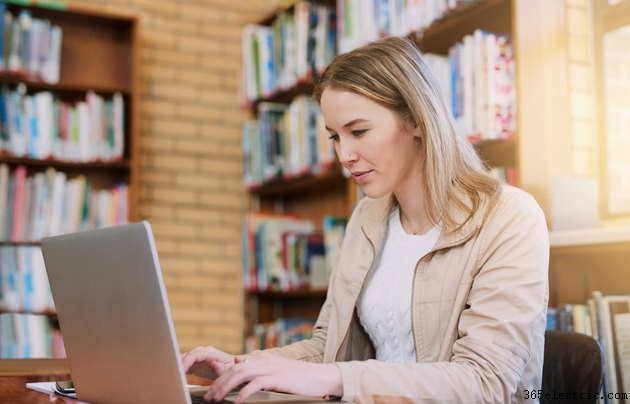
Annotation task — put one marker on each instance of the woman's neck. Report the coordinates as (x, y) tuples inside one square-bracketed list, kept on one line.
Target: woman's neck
[(413, 216)]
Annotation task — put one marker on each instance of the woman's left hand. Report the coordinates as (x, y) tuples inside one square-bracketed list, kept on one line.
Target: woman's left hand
[(271, 372)]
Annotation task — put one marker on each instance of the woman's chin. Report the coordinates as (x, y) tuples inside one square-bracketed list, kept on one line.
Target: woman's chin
[(372, 193)]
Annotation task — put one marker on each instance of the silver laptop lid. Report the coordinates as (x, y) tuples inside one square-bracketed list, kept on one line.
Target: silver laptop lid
[(114, 315)]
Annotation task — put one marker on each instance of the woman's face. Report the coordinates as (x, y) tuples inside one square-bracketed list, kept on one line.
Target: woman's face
[(373, 143)]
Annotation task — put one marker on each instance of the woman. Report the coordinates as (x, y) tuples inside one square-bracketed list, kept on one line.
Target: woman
[(440, 291)]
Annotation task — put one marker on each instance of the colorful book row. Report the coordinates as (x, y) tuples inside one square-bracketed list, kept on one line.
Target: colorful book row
[(363, 21), (41, 126), (478, 83), (49, 203), (282, 252), (477, 80), (279, 333), (298, 44), (27, 336), (286, 141), (29, 46), (23, 281), (607, 319)]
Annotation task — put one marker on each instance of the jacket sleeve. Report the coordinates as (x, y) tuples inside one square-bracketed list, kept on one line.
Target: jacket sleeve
[(501, 326)]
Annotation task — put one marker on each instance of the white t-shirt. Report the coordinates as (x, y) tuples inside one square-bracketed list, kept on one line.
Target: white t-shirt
[(384, 306)]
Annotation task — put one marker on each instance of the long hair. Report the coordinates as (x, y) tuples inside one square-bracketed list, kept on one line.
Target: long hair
[(392, 73)]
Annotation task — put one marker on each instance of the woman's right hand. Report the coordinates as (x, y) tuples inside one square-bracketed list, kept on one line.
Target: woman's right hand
[(207, 362)]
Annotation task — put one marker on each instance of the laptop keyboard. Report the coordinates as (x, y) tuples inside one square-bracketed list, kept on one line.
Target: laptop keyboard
[(197, 398)]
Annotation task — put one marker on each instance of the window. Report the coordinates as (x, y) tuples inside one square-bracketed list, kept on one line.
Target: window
[(611, 31)]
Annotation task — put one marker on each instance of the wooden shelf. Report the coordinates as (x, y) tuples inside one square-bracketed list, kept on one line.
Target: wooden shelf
[(97, 49), (9, 243), (287, 5), (122, 165), (586, 260), (292, 294), (264, 307), (300, 185), (285, 96), (497, 152), (21, 311), (489, 15), (33, 84), (587, 237), (34, 367)]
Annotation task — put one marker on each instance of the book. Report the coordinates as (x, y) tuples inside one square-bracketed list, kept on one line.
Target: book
[(19, 176), (4, 195), (272, 133), (3, 32), (281, 332), (334, 229), (613, 313), (264, 253)]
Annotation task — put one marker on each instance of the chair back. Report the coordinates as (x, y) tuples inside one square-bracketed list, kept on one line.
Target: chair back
[(573, 363)]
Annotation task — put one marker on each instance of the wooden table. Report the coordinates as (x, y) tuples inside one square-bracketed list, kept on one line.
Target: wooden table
[(15, 373)]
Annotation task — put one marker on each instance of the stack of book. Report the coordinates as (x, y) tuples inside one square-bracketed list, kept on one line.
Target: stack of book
[(298, 45), (482, 86), (285, 141), (283, 253), (23, 281), (41, 126), (29, 47), (607, 319), (363, 21), (49, 203), (279, 333), (29, 336)]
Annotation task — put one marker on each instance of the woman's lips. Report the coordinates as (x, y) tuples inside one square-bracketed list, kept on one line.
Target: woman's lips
[(360, 176)]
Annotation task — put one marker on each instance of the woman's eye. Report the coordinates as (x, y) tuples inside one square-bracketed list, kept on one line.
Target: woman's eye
[(358, 132), (333, 137)]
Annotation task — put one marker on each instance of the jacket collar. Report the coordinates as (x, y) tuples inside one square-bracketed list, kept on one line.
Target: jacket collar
[(375, 224)]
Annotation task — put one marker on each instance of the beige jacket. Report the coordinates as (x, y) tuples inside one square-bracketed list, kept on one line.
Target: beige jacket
[(478, 316)]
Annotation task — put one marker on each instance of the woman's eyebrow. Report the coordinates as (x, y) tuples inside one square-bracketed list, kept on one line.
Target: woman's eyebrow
[(352, 122)]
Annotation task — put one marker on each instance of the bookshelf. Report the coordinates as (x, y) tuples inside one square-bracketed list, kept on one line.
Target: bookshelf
[(310, 195), (536, 30), (95, 92), (589, 290), (540, 146), (586, 260)]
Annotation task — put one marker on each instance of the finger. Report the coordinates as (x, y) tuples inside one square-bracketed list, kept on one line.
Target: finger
[(235, 376), (205, 354), (203, 370), (219, 367), (250, 388), (183, 359), (229, 380), (220, 355)]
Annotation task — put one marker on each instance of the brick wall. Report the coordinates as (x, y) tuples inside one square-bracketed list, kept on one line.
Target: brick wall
[(190, 155)]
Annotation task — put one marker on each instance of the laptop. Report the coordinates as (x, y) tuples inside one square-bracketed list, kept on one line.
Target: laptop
[(115, 318)]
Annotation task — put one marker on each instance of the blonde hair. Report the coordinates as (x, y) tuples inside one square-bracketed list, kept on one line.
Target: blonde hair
[(392, 73)]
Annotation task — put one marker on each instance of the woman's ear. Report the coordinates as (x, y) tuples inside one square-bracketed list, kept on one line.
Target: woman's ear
[(417, 132)]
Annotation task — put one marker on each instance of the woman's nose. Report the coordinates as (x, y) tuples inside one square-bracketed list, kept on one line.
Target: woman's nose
[(346, 155)]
